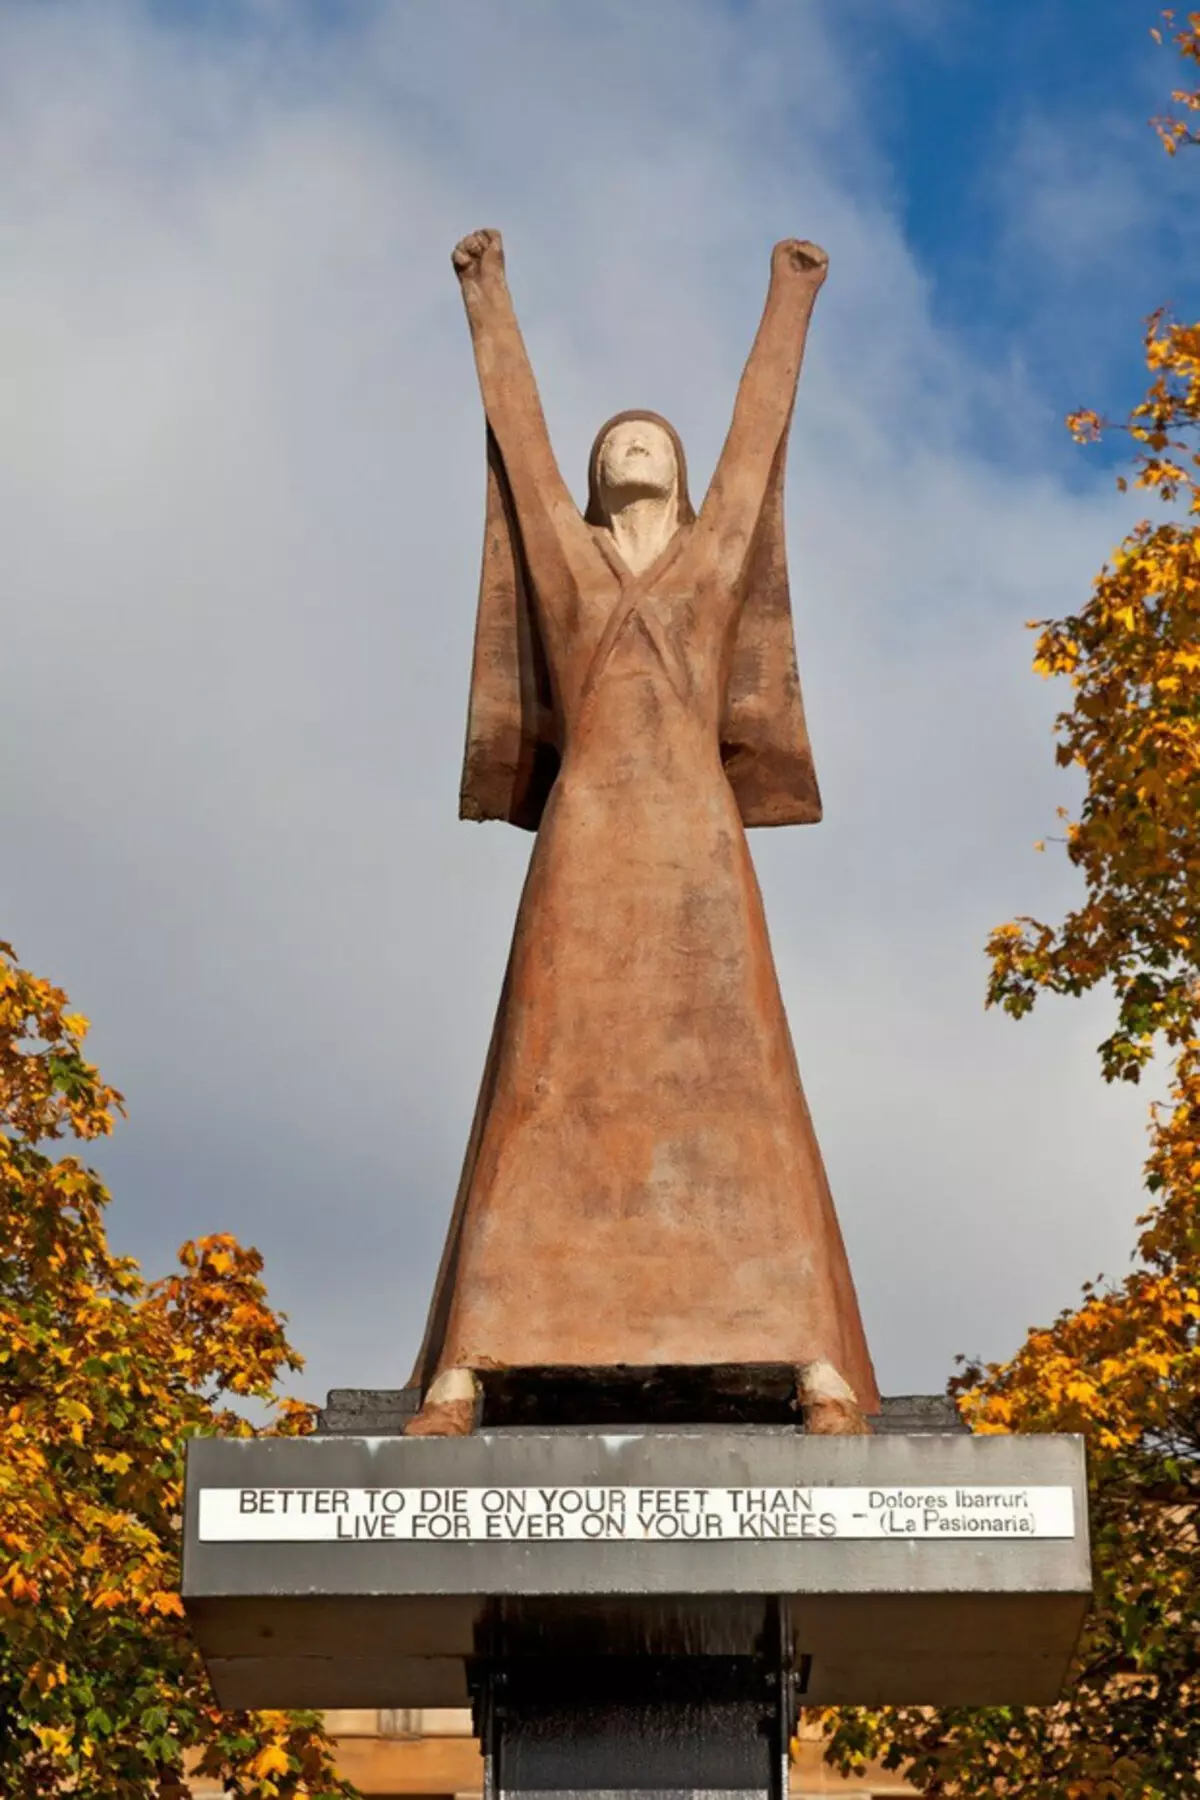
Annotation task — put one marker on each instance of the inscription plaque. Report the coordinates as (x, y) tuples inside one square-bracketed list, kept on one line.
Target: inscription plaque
[(576, 1514)]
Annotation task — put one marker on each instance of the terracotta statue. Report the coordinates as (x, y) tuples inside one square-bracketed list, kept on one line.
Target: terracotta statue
[(643, 1185)]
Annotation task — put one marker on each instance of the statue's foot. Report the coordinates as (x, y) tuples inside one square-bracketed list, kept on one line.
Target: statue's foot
[(450, 1407), (830, 1408)]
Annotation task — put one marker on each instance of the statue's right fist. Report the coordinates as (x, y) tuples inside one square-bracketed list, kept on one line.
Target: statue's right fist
[(477, 251), (796, 256)]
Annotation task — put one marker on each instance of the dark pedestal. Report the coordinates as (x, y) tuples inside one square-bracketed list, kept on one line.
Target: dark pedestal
[(670, 1726)]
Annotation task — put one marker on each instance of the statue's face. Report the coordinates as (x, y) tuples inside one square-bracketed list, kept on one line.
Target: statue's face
[(637, 461)]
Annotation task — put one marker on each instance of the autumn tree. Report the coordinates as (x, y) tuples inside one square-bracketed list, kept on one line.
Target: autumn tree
[(1124, 1366), (103, 1377)]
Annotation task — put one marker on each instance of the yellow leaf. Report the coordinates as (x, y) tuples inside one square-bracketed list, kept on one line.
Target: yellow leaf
[(163, 1602), (271, 1761)]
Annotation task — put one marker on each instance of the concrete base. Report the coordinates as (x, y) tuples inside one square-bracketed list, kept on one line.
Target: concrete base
[(876, 1613)]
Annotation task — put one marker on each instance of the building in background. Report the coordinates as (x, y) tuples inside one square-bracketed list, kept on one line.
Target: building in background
[(397, 1753)]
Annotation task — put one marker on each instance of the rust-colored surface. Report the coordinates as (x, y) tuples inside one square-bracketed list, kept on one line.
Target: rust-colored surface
[(449, 1418), (643, 1183)]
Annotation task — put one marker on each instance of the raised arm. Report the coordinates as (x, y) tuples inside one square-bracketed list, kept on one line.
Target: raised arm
[(765, 397), (510, 396)]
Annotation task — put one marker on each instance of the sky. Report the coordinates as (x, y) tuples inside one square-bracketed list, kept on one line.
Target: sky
[(241, 486)]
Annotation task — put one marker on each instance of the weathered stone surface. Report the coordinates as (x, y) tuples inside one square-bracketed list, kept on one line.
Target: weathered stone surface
[(643, 1184), (368, 1412)]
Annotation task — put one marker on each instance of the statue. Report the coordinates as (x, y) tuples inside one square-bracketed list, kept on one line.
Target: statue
[(642, 1185), (643, 1236)]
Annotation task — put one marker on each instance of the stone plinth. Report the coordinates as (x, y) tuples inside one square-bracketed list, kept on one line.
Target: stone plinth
[(368, 1571)]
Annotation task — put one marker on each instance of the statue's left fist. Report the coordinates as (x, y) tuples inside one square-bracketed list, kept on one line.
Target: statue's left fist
[(477, 251), (797, 256)]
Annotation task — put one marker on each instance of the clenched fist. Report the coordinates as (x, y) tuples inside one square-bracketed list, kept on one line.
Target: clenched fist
[(476, 252), (797, 256)]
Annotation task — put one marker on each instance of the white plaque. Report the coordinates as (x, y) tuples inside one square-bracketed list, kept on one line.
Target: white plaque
[(524, 1515)]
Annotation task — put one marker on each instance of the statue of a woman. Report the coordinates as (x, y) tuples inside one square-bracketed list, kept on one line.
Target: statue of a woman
[(643, 1185)]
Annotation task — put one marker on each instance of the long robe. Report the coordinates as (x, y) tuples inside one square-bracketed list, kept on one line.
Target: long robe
[(643, 1184)]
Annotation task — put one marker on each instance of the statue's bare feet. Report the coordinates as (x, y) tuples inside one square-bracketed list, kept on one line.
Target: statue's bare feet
[(800, 257), (478, 251), (828, 1402), (450, 1408)]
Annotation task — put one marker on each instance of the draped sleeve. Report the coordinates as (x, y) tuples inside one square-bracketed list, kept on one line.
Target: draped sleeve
[(512, 749), (764, 736), (536, 549)]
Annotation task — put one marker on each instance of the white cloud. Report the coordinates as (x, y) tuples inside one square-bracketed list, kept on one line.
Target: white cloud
[(1081, 201), (1094, 225), (240, 498)]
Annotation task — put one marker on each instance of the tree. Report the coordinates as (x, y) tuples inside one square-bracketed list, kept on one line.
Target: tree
[(103, 1377), (1124, 1366)]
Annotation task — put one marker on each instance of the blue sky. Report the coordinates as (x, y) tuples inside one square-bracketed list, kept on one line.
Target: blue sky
[(982, 114), (240, 493)]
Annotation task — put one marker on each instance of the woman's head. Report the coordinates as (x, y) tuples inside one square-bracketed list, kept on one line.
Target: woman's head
[(636, 456)]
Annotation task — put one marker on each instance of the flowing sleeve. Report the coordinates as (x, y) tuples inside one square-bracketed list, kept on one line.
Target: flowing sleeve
[(535, 545), (554, 538), (765, 744)]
